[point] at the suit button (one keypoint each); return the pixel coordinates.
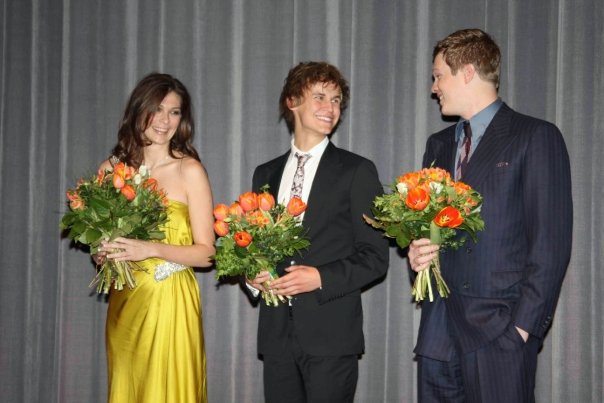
(468, 250)
(466, 285)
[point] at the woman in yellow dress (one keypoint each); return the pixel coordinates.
(154, 335)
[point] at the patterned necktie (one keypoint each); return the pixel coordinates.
(464, 154)
(299, 175)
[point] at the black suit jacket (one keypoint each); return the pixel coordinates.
(513, 274)
(348, 253)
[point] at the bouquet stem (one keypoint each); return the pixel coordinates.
(269, 297)
(116, 273)
(423, 282)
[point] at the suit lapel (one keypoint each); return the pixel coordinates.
(276, 172)
(325, 178)
(496, 138)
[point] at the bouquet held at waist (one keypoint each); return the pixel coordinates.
(428, 204)
(255, 234)
(117, 202)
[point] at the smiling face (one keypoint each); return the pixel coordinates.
(448, 87)
(165, 120)
(317, 113)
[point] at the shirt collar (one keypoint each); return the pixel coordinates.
(479, 122)
(316, 152)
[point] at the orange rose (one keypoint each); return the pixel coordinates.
(242, 239)
(221, 228)
(128, 192)
(296, 206)
(150, 183)
(448, 217)
(248, 201)
(235, 209)
(221, 211)
(417, 199)
(266, 201)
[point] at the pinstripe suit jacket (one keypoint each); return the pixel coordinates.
(512, 275)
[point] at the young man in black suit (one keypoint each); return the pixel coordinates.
(481, 343)
(311, 346)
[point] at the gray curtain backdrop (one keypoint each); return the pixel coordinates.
(68, 66)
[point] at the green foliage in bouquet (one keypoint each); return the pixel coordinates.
(428, 204)
(121, 202)
(255, 234)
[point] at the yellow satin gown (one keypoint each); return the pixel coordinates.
(155, 349)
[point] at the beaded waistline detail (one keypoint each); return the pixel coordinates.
(165, 270)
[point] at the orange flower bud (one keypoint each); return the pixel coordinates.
(235, 209)
(448, 217)
(242, 239)
(221, 211)
(266, 201)
(296, 206)
(248, 201)
(128, 192)
(221, 228)
(417, 199)
(100, 176)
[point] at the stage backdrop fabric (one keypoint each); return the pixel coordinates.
(68, 66)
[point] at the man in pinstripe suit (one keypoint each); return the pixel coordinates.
(481, 343)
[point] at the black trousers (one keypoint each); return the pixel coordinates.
(298, 377)
(503, 371)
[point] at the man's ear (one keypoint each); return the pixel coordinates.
(292, 103)
(469, 71)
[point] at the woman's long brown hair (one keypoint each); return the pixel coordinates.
(142, 105)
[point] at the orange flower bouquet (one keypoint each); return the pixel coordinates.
(116, 202)
(255, 234)
(428, 204)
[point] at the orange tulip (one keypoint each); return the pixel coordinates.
(221, 228)
(461, 188)
(100, 176)
(128, 192)
(248, 201)
(221, 211)
(123, 170)
(150, 183)
(417, 199)
(235, 209)
(296, 206)
(448, 217)
(242, 239)
(257, 217)
(72, 195)
(118, 181)
(266, 201)
(77, 204)
(410, 179)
